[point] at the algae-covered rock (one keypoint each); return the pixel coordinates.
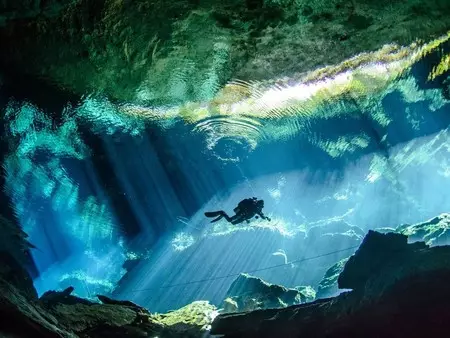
(230, 305)
(435, 231)
(307, 293)
(252, 293)
(189, 321)
(328, 285)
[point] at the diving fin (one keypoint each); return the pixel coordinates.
(213, 213)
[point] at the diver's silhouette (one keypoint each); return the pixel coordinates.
(245, 211)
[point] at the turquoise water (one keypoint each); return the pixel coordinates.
(111, 187)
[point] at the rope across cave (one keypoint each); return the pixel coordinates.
(247, 272)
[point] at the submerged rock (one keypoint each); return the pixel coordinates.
(307, 293)
(328, 285)
(400, 290)
(374, 255)
(59, 314)
(107, 300)
(435, 231)
(16, 275)
(230, 305)
(23, 316)
(190, 321)
(249, 293)
(52, 298)
(95, 318)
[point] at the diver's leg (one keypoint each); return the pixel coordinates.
(228, 218)
(219, 215)
(236, 219)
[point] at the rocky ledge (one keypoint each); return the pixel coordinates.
(60, 314)
(398, 290)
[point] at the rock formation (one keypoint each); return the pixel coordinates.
(307, 293)
(399, 290)
(328, 285)
(184, 50)
(59, 314)
(435, 231)
(248, 293)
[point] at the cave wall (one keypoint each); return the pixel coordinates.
(12, 240)
(168, 53)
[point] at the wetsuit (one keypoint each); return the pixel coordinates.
(245, 211)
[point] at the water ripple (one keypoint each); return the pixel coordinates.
(231, 137)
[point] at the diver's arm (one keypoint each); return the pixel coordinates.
(263, 216)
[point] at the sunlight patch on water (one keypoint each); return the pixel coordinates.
(344, 144)
(279, 225)
(182, 241)
(413, 153)
(230, 139)
(243, 115)
(364, 74)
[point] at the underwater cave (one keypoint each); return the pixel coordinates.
(268, 168)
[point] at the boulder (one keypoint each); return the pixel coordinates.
(248, 293)
(107, 300)
(376, 253)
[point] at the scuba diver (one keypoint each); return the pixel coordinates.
(245, 211)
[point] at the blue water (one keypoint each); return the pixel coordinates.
(94, 193)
